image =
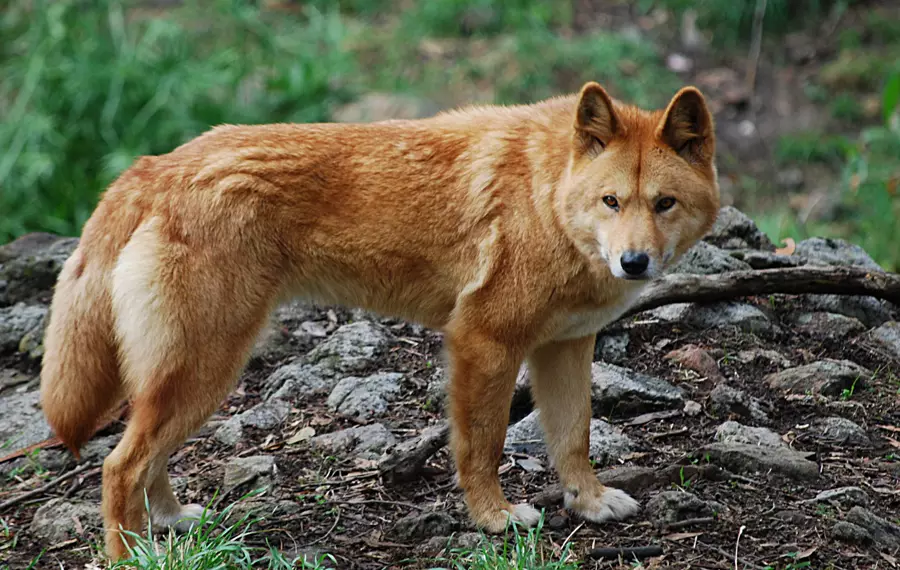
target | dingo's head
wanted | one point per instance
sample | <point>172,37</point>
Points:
<point>641,187</point>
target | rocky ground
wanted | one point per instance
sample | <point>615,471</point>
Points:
<point>767,425</point>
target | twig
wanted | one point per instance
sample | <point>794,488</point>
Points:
<point>379,502</point>
<point>737,544</point>
<point>338,482</point>
<point>407,460</point>
<point>337,519</point>
<point>627,553</point>
<point>665,434</point>
<point>819,280</point>
<point>46,487</point>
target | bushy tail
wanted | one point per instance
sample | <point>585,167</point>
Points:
<point>80,378</point>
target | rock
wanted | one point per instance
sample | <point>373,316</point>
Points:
<point>887,338</point>
<point>843,497</point>
<point>831,251</point>
<point>851,533</point>
<point>735,230</point>
<point>364,398</point>
<point>23,421</point>
<point>869,310</point>
<point>256,468</point>
<point>743,458</point>
<point>832,325</point>
<point>673,506</point>
<point>629,478</point>
<point>824,377</point>
<point>697,359</point>
<point>619,390</point>
<point>30,265</point>
<point>793,517</point>
<point>606,442</point>
<point>706,259</point>
<point>436,390</point>
<point>58,520</point>
<point>726,400</point>
<point>733,432</point>
<point>265,415</point>
<point>256,508</point>
<point>840,431</point>
<point>884,533</point>
<point>425,525</point>
<point>18,321</point>
<point>384,106</point>
<point>760,354</point>
<point>767,259</point>
<point>352,349</point>
<point>744,316</point>
<point>612,348</point>
<point>366,442</point>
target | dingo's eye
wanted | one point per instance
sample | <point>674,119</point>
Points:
<point>665,204</point>
<point>611,202</point>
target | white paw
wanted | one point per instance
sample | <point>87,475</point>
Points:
<point>612,505</point>
<point>182,520</point>
<point>525,515</point>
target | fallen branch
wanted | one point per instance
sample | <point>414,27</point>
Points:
<point>816,280</point>
<point>637,552</point>
<point>408,459</point>
<point>46,487</point>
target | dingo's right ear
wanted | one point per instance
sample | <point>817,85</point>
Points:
<point>595,120</point>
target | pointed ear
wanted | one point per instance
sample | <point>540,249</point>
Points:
<point>687,127</point>
<point>596,123</point>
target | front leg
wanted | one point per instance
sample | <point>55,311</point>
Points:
<point>482,380</point>
<point>561,385</point>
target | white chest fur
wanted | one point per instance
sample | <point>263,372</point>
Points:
<point>584,323</point>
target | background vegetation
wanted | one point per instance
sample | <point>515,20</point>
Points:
<point>89,85</point>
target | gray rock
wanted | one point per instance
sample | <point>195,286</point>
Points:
<point>425,525</point>
<point>352,349</point>
<point>31,265</point>
<point>366,442</point>
<point>256,468</point>
<point>364,398</point>
<point>883,532</point>
<point>619,390</point>
<point>887,339</point>
<point>706,259</point>
<point>830,251</point>
<point>612,347</point>
<point>55,521</point>
<point>733,432</point>
<point>735,230</point>
<point>831,325</point>
<point>750,355</point>
<point>840,431</point>
<point>436,390</point>
<point>23,421</point>
<point>606,442</point>
<point>673,506</point>
<point>824,377</point>
<point>375,107</point>
<point>743,316</point>
<point>256,508</point>
<point>726,400</point>
<point>871,311</point>
<point>629,478</point>
<point>745,458</point>
<point>843,497</point>
<point>18,321</point>
<point>265,415</point>
<point>851,533</point>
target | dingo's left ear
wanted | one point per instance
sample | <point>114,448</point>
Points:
<point>595,120</point>
<point>687,126</point>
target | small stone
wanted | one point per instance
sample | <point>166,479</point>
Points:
<point>793,517</point>
<point>612,347</point>
<point>831,325</point>
<point>58,520</point>
<point>742,457</point>
<point>831,251</point>
<point>265,415</point>
<point>733,432</point>
<point>735,230</point>
<point>851,533</point>
<point>824,377</point>
<point>365,442</point>
<point>743,316</point>
<point>843,496</point>
<point>840,431</point>
<point>869,310</point>
<point>751,355</point>
<point>18,321</point>
<point>726,400</point>
<point>883,532</point>
<point>679,63</point>
<point>241,470</point>
<point>619,390</point>
<point>423,525</point>
<point>706,259</point>
<point>672,506</point>
<point>364,398</point>
<point>887,338</point>
<point>697,359</point>
<point>607,443</point>
<point>629,478</point>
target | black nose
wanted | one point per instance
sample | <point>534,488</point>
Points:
<point>635,263</point>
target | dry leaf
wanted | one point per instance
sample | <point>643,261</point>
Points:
<point>302,435</point>
<point>682,535</point>
<point>531,464</point>
<point>789,247</point>
<point>894,443</point>
<point>806,553</point>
